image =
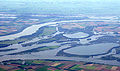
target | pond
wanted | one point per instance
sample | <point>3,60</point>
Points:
<point>76,35</point>
<point>91,49</point>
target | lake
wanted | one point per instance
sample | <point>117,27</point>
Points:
<point>91,49</point>
<point>76,35</point>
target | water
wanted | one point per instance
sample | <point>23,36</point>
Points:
<point>32,29</point>
<point>76,35</point>
<point>93,38</point>
<point>28,31</point>
<point>91,49</point>
<point>61,7</point>
<point>50,54</point>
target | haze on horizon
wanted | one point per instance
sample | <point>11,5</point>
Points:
<point>61,6</point>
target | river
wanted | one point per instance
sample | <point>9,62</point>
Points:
<point>48,54</point>
<point>32,29</point>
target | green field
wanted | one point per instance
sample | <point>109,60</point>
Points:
<point>38,61</point>
<point>109,67</point>
<point>48,31</point>
<point>2,69</point>
<point>14,41</point>
<point>90,67</point>
<point>76,67</point>
<point>48,47</point>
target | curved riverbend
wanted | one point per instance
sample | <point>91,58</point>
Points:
<point>28,31</point>
<point>32,29</point>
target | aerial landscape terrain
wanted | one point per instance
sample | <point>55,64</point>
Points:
<point>59,35</point>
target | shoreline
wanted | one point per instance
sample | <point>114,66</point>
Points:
<point>61,52</point>
<point>14,57</point>
<point>36,27</point>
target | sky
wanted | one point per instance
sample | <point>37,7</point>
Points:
<point>112,1</point>
<point>62,6</point>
